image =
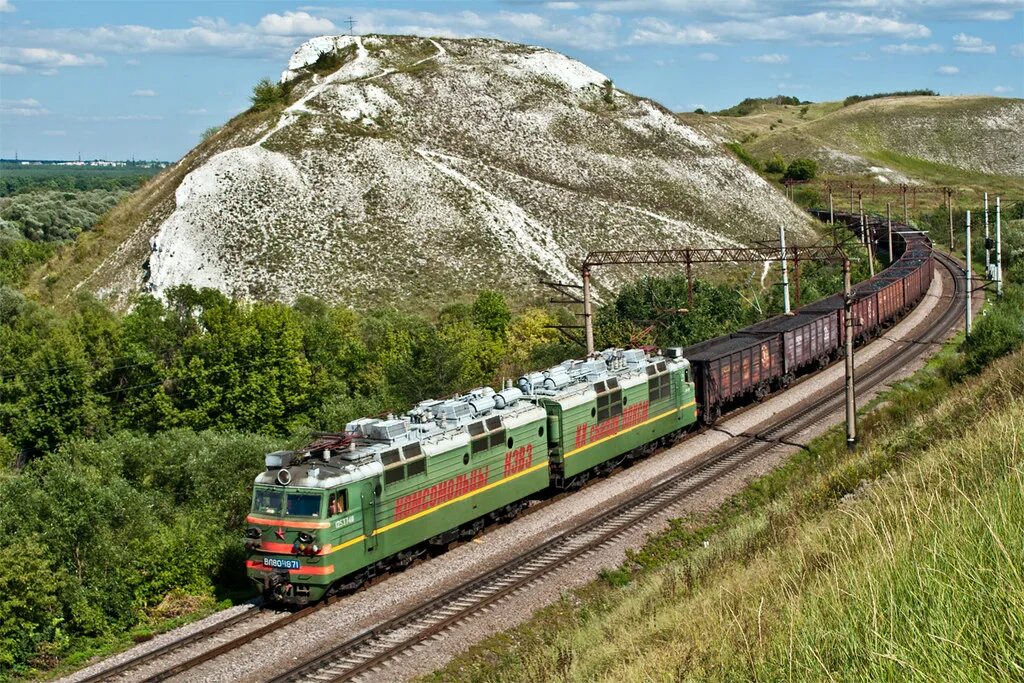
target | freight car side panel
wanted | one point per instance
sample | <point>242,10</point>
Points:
<point>734,373</point>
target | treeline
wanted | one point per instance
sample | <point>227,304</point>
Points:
<point>134,438</point>
<point>18,179</point>
<point>55,215</point>
<point>752,104</point>
<point>854,99</point>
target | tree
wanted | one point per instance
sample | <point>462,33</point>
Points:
<point>801,169</point>
<point>266,94</point>
<point>490,312</point>
<point>775,165</point>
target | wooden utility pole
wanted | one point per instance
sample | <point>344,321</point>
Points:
<point>949,205</point>
<point>851,399</point>
<point>988,252</point>
<point>588,317</point>
<point>888,218</point>
<point>863,225</point>
<point>906,219</point>
<point>831,207</point>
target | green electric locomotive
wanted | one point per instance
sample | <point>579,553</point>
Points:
<point>386,491</point>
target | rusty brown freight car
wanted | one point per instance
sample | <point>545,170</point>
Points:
<point>728,369</point>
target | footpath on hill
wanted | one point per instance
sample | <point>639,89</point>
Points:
<point>900,561</point>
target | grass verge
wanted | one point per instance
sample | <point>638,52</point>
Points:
<point>900,561</point>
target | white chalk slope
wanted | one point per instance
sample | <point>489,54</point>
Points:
<point>424,168</point>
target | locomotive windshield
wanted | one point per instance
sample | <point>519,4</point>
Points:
<point>267,501</point>
<point>304,505</point>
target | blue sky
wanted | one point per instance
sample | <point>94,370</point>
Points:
<point>136,78</point>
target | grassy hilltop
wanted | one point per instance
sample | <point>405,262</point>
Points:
<point>962,142</point>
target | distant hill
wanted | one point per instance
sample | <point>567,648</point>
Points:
<point>408,171</point>
<point>949,140</point>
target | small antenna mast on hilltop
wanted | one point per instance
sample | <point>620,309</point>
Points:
<point>351,24</point>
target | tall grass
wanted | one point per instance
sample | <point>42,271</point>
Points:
<point>901,562</point>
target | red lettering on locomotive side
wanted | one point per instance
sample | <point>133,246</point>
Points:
<point>439,493</point>
<point>518,459</point>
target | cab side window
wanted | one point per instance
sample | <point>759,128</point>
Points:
<point>337,503</point>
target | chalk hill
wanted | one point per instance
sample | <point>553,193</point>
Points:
<point>405,171</point>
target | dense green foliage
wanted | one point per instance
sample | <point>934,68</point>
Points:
<point>776,164</point>
<point>743,155</point>
<point>267,94</point>
<point>752,104</point>
<point>801,169</point>
<point>55,215</point>
<point>138,435</point>
<point>15,179</point>
<point>854,99</point>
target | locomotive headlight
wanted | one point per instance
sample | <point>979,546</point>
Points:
<point>253,532</point>
<point>305,538</point>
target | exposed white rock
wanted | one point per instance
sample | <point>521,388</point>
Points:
<point>422,169</point>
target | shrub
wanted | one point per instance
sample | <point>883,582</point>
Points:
<point>775,165</point>
<point>801,169</point>
<point>266,94</point>
<point>609,92</point>
<point>854,99</point>
<point>744,156</point>
<point>209,133</point>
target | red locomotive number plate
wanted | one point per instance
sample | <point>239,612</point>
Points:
<point>519,459</point>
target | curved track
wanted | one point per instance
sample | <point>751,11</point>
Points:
<point>369,649</point>
<point>372,648</point>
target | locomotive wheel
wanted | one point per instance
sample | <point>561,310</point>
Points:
<point>711,415</point>
<point>822,362</point>
<point>786,380</point>
<point>760,391</point>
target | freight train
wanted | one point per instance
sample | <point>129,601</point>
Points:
<point>385,492</point>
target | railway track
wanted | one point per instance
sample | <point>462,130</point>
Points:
<point>372,648</point>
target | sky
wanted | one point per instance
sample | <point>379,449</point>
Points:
<point>134,78</point>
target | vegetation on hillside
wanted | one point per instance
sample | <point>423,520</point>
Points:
<point>854,99</point>
<point>752,104</point>
<point>896,561</point>
<point>44,207</point>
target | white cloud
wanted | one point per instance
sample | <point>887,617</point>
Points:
<point>972,45</point>
<point>11,69</point>
<point>801,28</point>
<point>622,58</point>
<point>54,133</point>
<point>132,62</point>
<point>6,6</point>
<point>707,57</point>
<point>1002,89</point>
<point>908,49</point>
<point>144,92</point>
<point>651,30</point>
<point>562,5</point>
<point>773,58</point>
<point>295,24</point>
<point>23,107</point>
<point>861,57</point>
<point>196,112</point>
<point>947,71</point>
<point>46,58</point>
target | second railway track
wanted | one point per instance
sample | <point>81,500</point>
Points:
<point>374,647</point>
<point>370,649</point>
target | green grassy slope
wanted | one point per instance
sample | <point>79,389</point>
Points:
<point>900,562</point>
<point>955,141</point>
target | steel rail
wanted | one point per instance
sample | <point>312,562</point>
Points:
<point>711,467</point>
<point>373,647</point>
